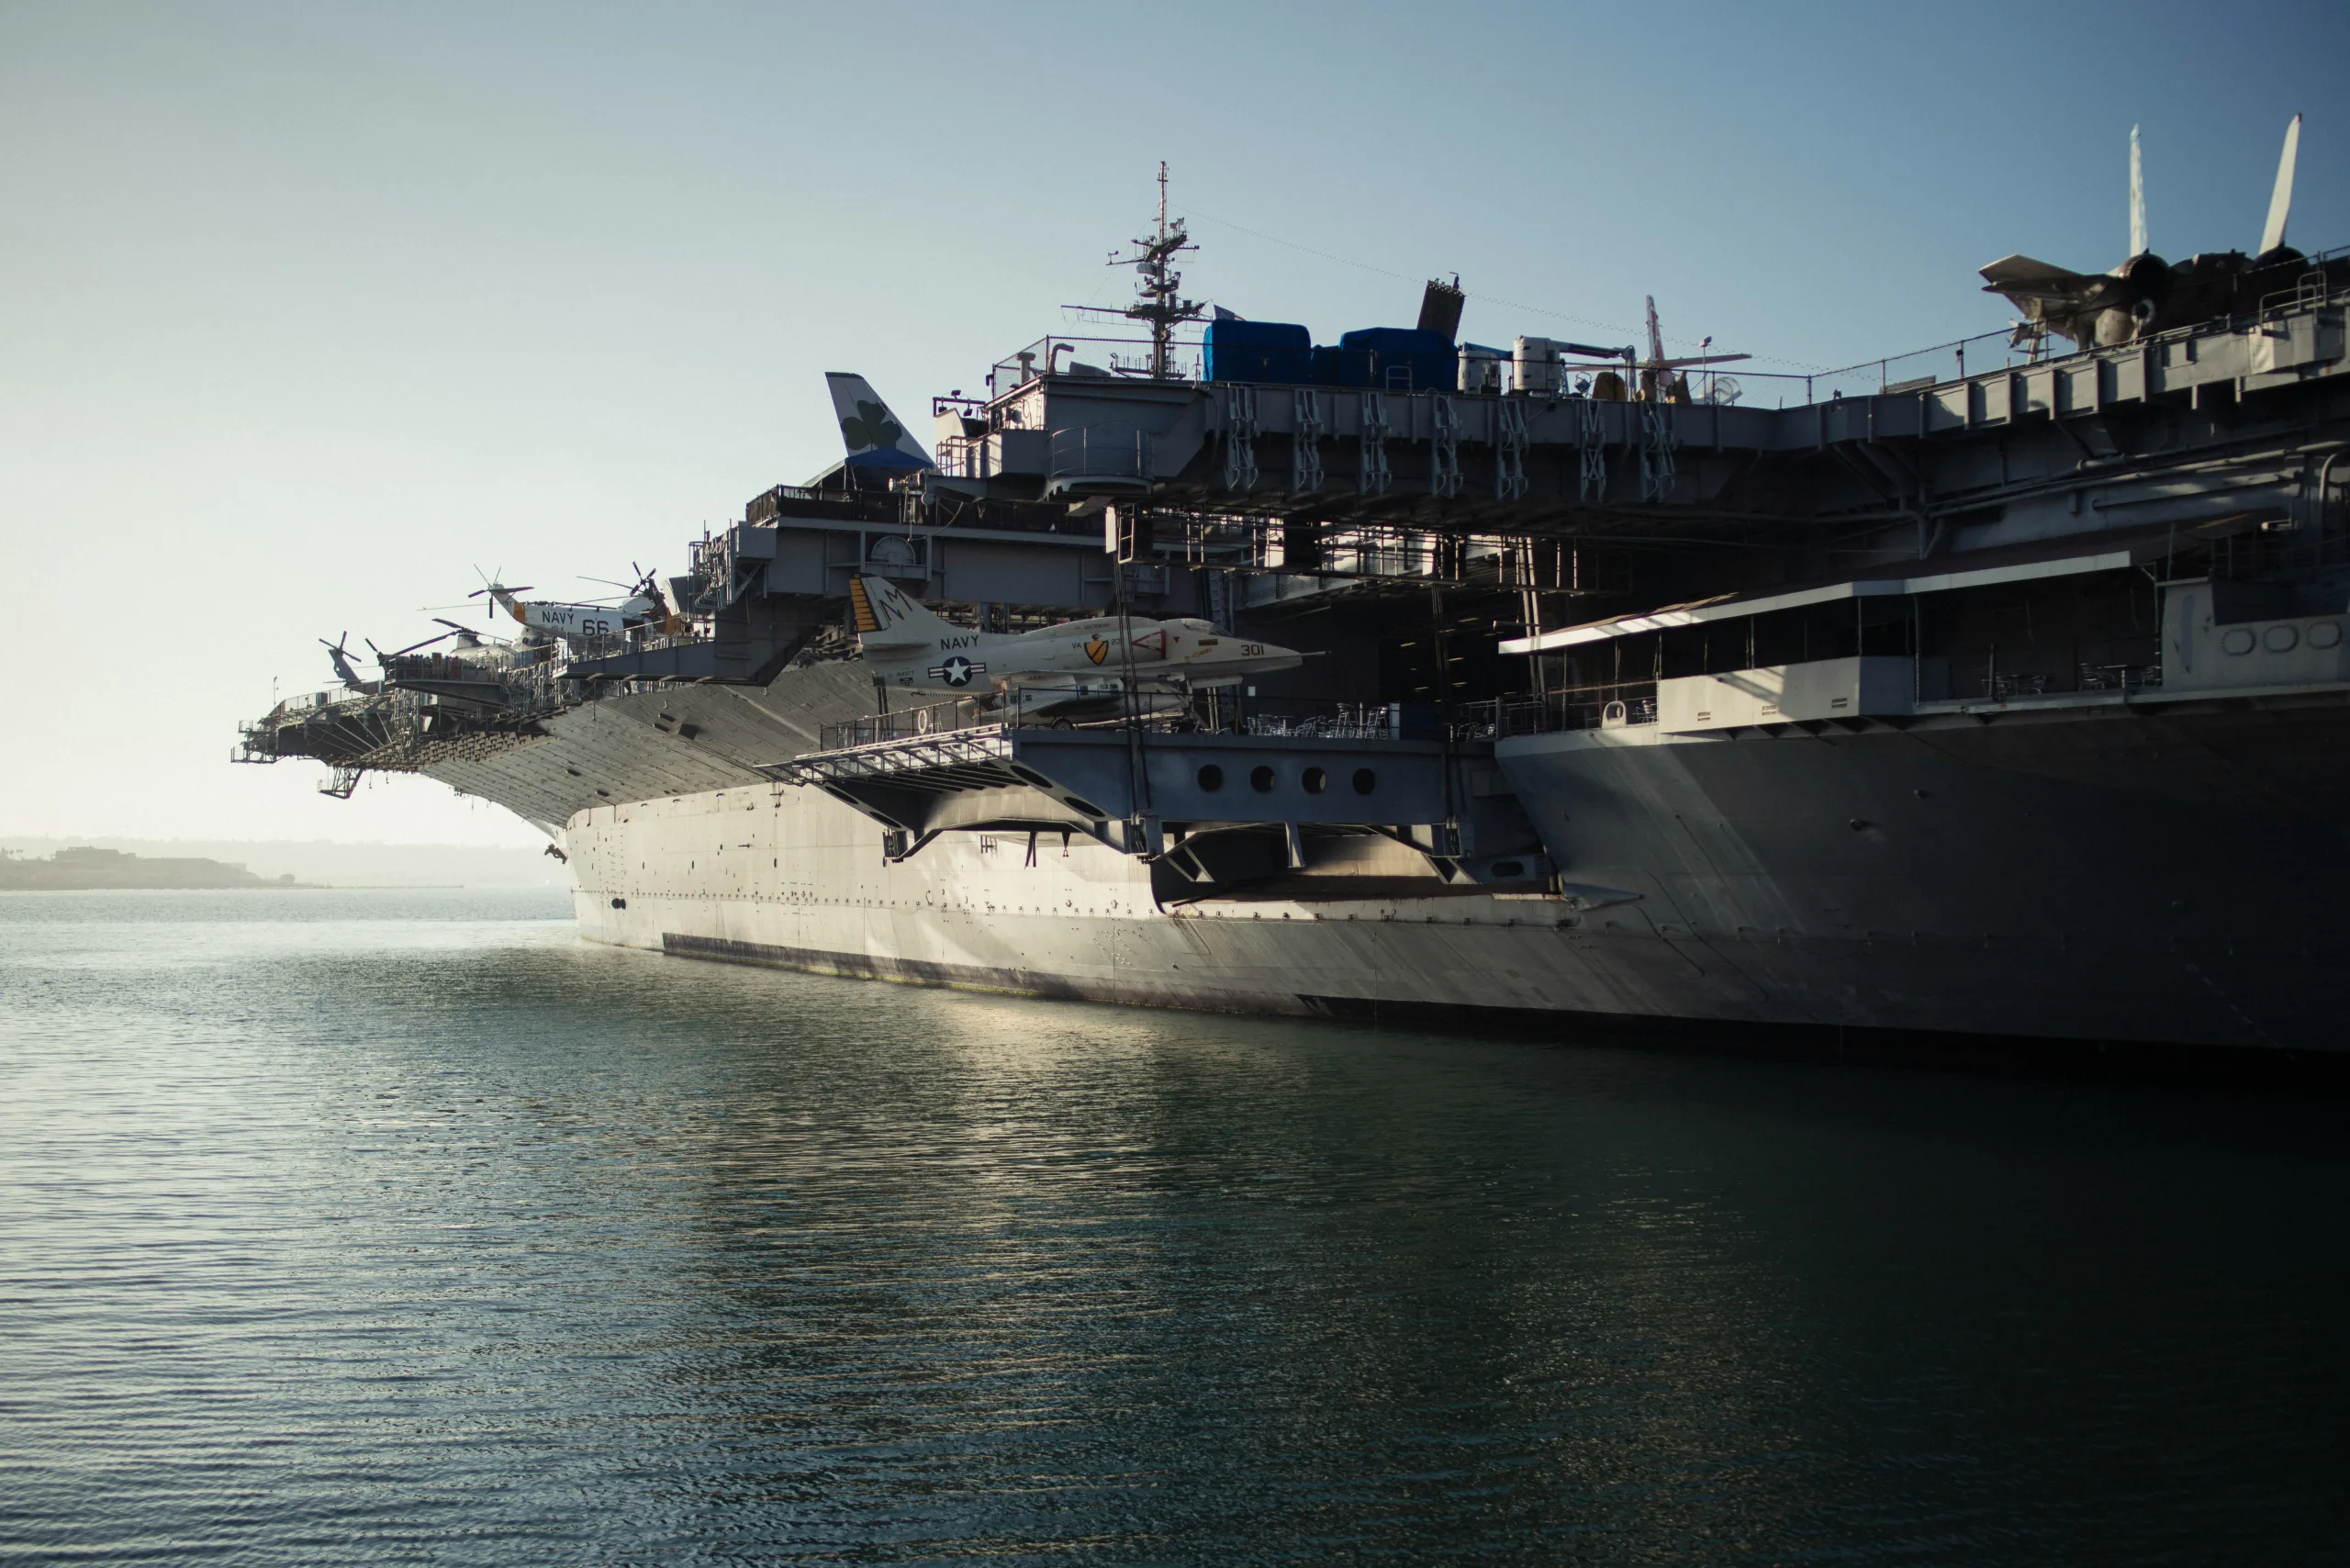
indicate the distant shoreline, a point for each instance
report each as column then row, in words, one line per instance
column 27, row 862
column 294, row 888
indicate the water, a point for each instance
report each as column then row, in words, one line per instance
column 401, row 1228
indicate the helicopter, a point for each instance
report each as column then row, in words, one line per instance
column 644, row 607
column 339, row 654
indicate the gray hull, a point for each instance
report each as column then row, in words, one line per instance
column 2168, row 875
column 2105, row 874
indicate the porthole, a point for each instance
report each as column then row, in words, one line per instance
column 1261, row 780
column 1509, row 867
column 2325, row 635
column 1365, row 780
column 2239, row 641
column 1314, row 780
column 2281, row 639
column 1210, row 777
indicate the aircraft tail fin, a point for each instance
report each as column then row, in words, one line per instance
column 875, row 437
column 2137, row 197
column 883, row 616
column 2280, row 200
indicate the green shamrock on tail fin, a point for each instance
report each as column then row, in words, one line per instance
column 871, row 425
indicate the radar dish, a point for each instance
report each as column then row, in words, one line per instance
column 1724, row 389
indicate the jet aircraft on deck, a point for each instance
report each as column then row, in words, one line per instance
column 911, row 648
column 2145, row 294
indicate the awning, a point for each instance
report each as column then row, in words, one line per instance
column 1704, row 611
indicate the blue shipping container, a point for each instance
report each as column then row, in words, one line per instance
column 1399, row 358
column 1258, row 350
column 1335, row 367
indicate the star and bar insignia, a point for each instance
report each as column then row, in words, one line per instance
column 958, row 671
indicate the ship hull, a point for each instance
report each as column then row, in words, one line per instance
column 2126, row 876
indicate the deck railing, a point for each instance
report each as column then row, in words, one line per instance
column 1582, row 708
column 1222, row 712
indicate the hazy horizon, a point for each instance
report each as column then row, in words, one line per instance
column 310, row 310
column 332, row 863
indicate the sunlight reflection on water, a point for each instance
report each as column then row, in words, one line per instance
column 404, row 1228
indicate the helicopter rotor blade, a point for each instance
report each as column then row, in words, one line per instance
column 1693, row 359
column 400, row 652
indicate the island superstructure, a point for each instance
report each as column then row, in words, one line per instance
column 1996, row 690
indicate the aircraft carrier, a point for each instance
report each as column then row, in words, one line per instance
column 1998, row 690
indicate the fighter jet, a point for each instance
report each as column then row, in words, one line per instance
column 909, row 647
column 2146, row 294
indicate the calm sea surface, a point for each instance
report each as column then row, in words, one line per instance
column 402, row 1227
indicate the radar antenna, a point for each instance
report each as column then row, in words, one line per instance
column 1158, row 284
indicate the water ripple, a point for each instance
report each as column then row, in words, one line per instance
column 402, row 1228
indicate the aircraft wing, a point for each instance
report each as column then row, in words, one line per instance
column 2021, row 277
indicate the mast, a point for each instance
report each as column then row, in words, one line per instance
column 1157, row 284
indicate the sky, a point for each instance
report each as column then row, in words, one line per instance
column 309, row 310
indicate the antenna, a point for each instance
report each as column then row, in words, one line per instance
column 2138, row 246
column 2280, row 200
column 1158, row 284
